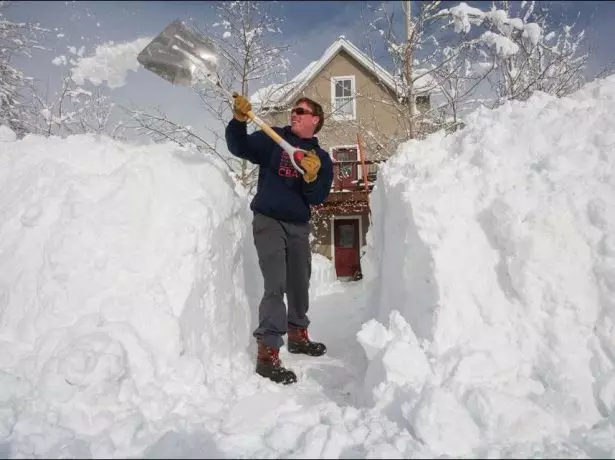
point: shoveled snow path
(329, 380)
(336, 317)
(318, 417)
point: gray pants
(285, 259)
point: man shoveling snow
(283, 198)
(281, 228)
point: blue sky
(309, 28)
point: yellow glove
(241, 107)
(311, 165)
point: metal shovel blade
(180, 55)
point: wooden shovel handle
(278, 139)
(265, 127)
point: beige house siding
(374, 114)
(377, 122)
(321, 231)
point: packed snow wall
(492, 261)
(134, 255)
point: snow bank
(121, 292)
(323, 275)
(129, 289)
(7, 134)
(492, 257)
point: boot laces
(268, 354)
(299, 335)
(274, 354)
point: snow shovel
(183, 56)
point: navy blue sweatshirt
(281, 192)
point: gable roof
(282, 94)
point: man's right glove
(241, 107)
(311, 165)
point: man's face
(302, 121)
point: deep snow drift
(492, 259)
(128, 291)
(119, 267)
(129, 288)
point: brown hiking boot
(268, 365)
(299, 342)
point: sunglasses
(301, 111)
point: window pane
(343, 88)
(347, 87)
(347, 107)
(345, 155)
(345, 171)
(339, 88)
(343, 106)
(346, 236)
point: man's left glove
(241, 107)
(311, 165)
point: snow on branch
(472, 56)
(244, 33)
(16, 39)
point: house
(362, 128)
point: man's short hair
(316, 108)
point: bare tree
(71, 110)
(530, 52)
(244, 34)
(16, 39)
(449, 60)
(159, 127)
(26, 108)
(416, 57)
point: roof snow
(281, 94)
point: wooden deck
(351, 187)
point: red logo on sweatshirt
(286, 168)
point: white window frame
(353, 91)
(358, 158)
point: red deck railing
(354, 175)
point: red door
(345, 175)
(346, 246)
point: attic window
(343, 101)
(422, 100)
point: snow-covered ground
(483, 328)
